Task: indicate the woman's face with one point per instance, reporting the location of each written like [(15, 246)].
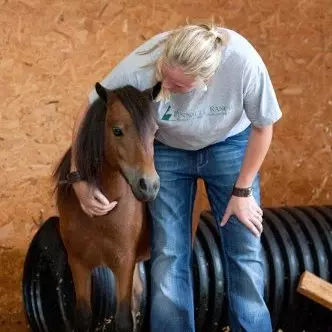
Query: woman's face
[(175, 80)]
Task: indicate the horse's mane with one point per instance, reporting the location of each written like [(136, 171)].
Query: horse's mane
[(90, 137)]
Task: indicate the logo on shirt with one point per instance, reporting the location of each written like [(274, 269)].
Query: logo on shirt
[(214, 110), (168, 114)]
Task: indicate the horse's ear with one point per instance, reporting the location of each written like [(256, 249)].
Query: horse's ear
[(154, 91), (101, 91)]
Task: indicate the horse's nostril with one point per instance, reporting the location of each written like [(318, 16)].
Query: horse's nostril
[(142, 184), (156, 186)]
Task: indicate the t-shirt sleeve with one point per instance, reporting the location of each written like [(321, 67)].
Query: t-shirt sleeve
[(260, 101)]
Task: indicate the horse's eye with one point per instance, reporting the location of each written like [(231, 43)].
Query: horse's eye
[(117, 132)]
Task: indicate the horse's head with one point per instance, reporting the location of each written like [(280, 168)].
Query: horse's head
[(130, 130), (119, 130)]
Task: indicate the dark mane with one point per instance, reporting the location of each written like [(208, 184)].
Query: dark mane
[(91, 135), (139, 106)]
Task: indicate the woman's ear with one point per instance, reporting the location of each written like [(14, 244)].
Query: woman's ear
[(101, 91)]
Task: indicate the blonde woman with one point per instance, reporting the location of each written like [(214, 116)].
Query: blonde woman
[(215, 112)]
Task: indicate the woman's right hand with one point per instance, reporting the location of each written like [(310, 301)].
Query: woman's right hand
[(91, 199)]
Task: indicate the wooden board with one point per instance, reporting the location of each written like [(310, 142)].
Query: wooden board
[(316, 289)]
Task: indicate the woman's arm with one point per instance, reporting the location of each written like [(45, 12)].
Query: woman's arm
[(262, 109), (257, 148), (246, 209)]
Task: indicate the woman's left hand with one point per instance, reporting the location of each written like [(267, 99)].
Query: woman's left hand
[(247, 211)]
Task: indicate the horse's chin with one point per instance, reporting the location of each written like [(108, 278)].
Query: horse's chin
[(143, 197)]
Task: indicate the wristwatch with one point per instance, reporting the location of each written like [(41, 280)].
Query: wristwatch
[(73, 177), (242, 192)]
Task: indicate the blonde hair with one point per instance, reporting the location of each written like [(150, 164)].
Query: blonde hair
[(197, 49)]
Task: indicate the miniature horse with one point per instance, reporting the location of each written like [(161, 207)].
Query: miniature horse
[(114, 151)]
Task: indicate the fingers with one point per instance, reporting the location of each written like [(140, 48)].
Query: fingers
[(104, 209), (256, 218), (96, 206), (105, 204), (225, 218), (113, 205), (98, 212), (255, 208), (253, 221), (247, 211), (97, 209), (257, 215), (259, 211), (257, 223), (86, 211), (252, 227), (92, 201), (100, 197)]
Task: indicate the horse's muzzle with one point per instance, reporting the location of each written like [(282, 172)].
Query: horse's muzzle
[(145, 187), (148, 188)]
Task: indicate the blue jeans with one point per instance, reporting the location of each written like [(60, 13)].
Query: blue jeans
[(172, 307)]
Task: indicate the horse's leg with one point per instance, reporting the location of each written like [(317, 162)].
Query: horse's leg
[(137, 292), (124, 321), (82, 283)]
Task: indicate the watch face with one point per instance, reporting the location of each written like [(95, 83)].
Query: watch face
[(73, 177)]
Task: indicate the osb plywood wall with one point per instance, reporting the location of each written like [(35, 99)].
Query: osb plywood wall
[(52, 52)]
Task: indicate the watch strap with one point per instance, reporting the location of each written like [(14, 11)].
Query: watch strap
[(242, 192)]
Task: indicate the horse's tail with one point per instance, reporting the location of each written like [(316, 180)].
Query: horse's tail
[(62, 188)]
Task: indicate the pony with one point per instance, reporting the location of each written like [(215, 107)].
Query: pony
[(114, 151)]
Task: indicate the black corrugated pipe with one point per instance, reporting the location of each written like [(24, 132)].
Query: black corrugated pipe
[(295, 239)]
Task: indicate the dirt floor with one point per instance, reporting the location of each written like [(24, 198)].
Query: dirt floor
[(52, 53), (11, 307)]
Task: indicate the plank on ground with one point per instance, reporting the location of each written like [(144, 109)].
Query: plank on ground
[(316, 289)]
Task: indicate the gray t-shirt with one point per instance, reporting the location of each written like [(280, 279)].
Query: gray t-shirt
[(239, 94)]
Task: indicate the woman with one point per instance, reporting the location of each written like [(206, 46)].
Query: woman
[(215, 111)]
